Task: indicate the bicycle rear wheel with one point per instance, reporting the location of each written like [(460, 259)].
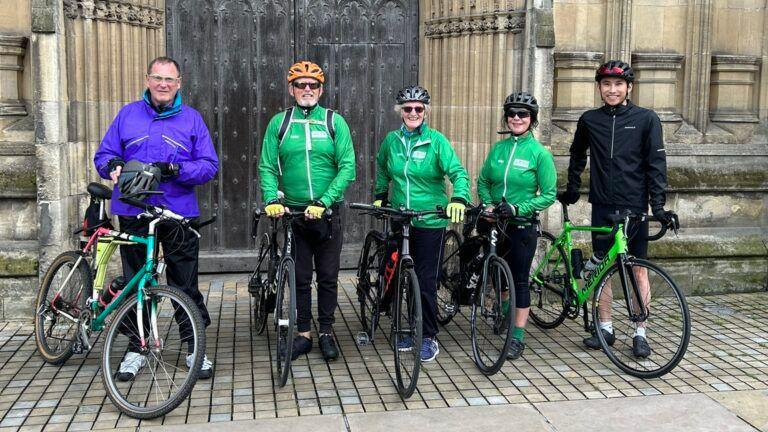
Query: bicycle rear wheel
[(285, 319), (407, 332), (548, 283), (258, 286), (450, 279), (491, 329), (368, 280), (59, 305), (169, 372), (668, 326)]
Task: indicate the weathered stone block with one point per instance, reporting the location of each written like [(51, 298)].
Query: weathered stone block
[(18, 297)]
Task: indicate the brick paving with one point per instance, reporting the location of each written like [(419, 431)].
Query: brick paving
[(728, 352)]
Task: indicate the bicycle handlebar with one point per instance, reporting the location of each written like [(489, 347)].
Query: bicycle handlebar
[(157, 212), (626, 216), (401, 212), (517, 220)]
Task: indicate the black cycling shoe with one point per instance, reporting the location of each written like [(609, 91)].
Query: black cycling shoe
[(594, 343), (640, 347), (516, 348), (301, 345), (328, 347)]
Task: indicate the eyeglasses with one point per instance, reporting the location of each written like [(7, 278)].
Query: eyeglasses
[(157, 79), (408, 109), (304, 84), (521, 114)]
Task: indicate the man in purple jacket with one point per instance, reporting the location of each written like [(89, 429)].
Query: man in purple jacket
[(160, 130)]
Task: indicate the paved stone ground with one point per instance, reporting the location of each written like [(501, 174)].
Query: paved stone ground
[(728, 352)]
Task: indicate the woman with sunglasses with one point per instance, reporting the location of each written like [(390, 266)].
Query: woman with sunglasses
[(414, 160), (518, 178)]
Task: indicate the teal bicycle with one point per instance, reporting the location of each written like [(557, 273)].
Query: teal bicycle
[(162, 323), (559, 289)]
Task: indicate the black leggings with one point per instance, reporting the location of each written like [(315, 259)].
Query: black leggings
[(517, 248)]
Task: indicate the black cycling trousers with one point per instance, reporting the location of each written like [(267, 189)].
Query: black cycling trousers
[(317, 243), (427, 252), (517, 248), (180, 249)]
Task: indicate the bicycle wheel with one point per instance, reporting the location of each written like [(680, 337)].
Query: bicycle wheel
[(548, 283), (668, 326), (407, 332), (258, 286), (491, 329), (285, 319), (450, 279), (368, 280), (169, 370), (58, 306)]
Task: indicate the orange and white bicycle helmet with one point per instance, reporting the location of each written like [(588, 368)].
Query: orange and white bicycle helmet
[(305, 69)]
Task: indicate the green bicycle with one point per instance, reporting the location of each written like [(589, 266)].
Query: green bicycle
[(620, 296), (162, 323)]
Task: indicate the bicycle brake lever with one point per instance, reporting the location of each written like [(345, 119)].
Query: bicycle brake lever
[(194, 231)]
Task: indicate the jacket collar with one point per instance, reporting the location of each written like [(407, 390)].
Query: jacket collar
[(166, 111), (309, 111), (421, 130), (618, 109)]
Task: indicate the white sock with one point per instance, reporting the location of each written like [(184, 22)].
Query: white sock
[(640, 331), (607, 326)]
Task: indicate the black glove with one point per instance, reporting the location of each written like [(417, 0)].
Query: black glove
[(168, 169), (667, 218), (506, 210), (114, 163), (570, 196)]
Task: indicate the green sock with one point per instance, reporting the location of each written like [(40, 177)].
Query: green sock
[(505, 306), (518, 333)]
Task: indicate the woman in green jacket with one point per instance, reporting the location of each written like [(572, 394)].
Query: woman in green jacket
[(412, 164), (518, 178)]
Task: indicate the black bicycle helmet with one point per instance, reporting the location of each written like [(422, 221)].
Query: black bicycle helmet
[(615, 69), (137, 177), (522, 100), (413, 94)]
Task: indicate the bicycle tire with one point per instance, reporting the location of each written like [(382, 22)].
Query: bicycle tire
[(549, 288), (491, 329), (407, 328), (450, 279), (285, 319), (259, 280), (71, 301), (368, 282), (668, 327), (165, 357)]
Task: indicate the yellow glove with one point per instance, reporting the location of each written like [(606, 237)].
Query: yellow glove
[(377, 203), (274, 210), (314, 212), (455, 211)]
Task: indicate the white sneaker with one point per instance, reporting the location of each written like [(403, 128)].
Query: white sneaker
[(206, 371), (130, 366)]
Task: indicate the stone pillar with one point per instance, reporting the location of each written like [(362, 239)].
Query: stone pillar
[(618, 34), (657, 78), (574, 92), (697, 67), (733, 88), (12, 50)]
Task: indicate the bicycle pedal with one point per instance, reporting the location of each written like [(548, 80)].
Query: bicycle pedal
[(362, 339), (77, 347)]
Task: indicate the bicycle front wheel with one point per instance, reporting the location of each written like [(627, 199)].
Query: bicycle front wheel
[(668, 323), (368, 288), (285, 319), (258, 286), (548, 283), (450, 279), (66, 286), (169, 362), (491, 328), (407, 332)]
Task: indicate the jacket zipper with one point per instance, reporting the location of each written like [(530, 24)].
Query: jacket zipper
[(506, 171), (307, 149), (613, 131)]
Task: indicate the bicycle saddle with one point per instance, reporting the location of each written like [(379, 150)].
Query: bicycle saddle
[(98, 190)]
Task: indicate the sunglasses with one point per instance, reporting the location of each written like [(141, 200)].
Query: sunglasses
[(521, 114), (408, 109), (303, 85)]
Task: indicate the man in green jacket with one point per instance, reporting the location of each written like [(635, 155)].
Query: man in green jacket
[(308, 155)]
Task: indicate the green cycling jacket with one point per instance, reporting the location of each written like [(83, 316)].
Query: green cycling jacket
[(416, 168), (521, 170), (307, 165)]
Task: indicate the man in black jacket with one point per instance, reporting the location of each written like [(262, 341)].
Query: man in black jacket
[(628, 171)]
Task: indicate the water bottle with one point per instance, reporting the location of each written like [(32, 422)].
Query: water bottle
[(592, 264), (577, 262), (112, 291)]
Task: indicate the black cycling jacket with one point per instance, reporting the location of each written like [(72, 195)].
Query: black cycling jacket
[(628, 159)]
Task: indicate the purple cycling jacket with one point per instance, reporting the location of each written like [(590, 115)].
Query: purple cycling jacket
[(178, 135)]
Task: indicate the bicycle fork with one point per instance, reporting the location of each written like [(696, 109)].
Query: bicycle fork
[(629, 284)]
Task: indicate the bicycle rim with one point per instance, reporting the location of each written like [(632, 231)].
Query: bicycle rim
[(491, 328), (548, 286), (407, 332), (56, 334), (667, 328), (258, 285), (368, 283), (285, 320), (450, 279), (166, 379)]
